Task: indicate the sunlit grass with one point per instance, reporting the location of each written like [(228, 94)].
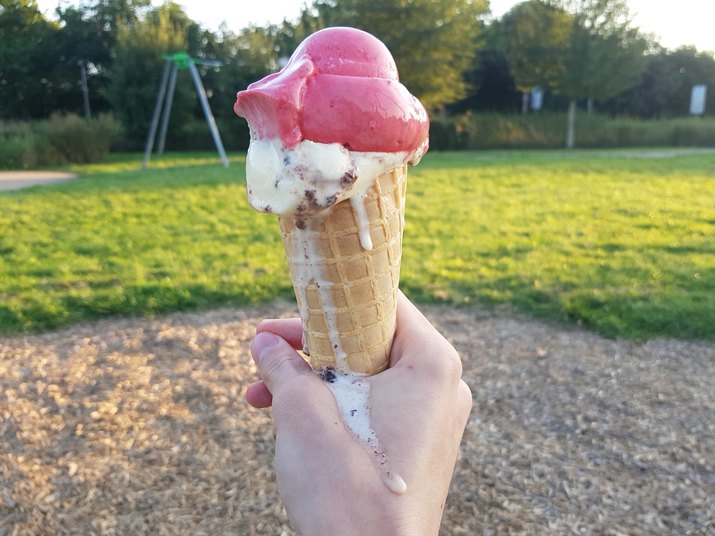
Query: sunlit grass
[(133, 162), (134, 243), (626, 246), (623, 245)]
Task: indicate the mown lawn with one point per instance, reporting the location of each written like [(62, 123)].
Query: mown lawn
[(620, 243)]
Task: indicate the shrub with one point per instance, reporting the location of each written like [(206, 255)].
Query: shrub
[(18, 153), (62, 139), (78, 140), (448, 134), (548, 130), (17, 146)]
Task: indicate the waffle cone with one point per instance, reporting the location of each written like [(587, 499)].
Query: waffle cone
[(347, 294)]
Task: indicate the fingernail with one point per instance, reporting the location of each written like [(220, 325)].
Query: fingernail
[(262, 342)]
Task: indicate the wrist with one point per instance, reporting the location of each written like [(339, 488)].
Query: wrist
[(394, 517)]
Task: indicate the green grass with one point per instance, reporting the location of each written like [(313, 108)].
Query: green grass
[(623, 245)]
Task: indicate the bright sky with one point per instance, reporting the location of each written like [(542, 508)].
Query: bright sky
[(685, 22)]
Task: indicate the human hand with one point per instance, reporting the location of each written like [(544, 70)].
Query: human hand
[(419, 408)]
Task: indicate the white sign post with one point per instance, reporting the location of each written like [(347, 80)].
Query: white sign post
[(697, 99), (537, 98)]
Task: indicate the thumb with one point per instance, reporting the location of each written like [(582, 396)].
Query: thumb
[(277, 361)]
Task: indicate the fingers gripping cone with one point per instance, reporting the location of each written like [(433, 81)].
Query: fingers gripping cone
[(347, 293)]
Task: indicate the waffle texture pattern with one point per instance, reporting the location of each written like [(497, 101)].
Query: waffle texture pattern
[(348, 299)]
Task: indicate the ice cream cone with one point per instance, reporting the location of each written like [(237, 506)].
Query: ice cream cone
[(347, 294)]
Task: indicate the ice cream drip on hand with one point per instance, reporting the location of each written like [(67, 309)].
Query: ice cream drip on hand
[(352, 394)]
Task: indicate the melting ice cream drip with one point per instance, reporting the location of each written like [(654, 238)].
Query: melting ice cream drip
[(352, 394), (307, 259), (363, 222), (351, 390)]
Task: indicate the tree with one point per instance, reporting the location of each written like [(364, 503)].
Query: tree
[(247, 56), (137, 68), (39, 71), (81, 41), (489, 79), (494, 88), (605, 54), (533, 35), (27, 67), (290, 34), (664, 90), (433, 43)]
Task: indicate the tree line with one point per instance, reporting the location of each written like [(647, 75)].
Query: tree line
[(452, 54)]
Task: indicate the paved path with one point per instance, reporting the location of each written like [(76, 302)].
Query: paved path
[(14, 180)]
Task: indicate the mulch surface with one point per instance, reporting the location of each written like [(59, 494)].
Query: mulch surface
[(139, 426)]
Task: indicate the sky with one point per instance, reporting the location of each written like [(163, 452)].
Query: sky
[(692, 22)]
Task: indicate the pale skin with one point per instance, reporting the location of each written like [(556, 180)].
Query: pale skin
[(419, 409)]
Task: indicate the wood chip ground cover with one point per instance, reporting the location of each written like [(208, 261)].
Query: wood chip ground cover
[(139, 427)]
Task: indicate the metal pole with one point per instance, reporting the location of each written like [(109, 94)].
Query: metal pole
[(167, 109), (207, 112), (85, 88), (157, 111)]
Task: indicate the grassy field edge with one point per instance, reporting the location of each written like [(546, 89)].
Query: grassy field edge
[(617, 241)]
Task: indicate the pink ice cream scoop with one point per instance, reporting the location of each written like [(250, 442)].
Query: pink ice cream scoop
[(340, 86)]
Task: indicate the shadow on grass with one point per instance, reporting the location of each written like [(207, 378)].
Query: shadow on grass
[(613, 314), (130, 301)]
